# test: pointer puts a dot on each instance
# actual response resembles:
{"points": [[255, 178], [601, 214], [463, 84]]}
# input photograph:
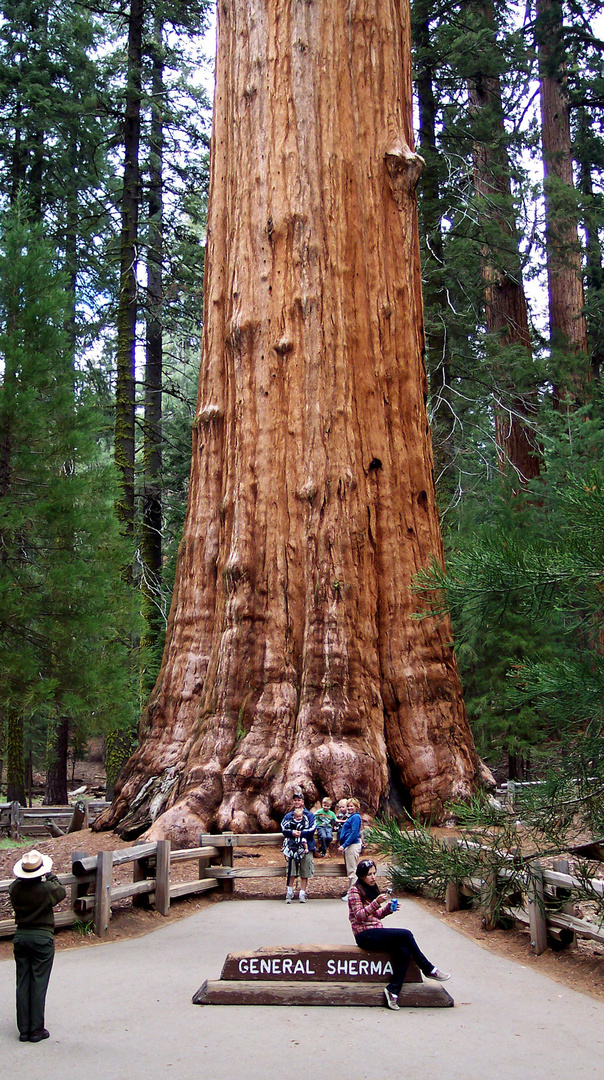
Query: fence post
{"points": [[162, 877], [227, 885], [102, 895], [140, 872], [452, 894], [14, 821], [536, 910], [562, 867], [490, 905], [79, 889], [203, 862], [511, 796]]}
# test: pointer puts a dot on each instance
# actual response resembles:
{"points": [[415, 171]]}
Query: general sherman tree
{"points": [[292, 654]]}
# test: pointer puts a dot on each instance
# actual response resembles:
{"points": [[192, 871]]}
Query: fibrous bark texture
{"points": [[292, 656], [568, 328], [506, 313]]}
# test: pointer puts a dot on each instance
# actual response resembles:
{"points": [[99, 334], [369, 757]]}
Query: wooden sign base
{"points": [[315, 975]]}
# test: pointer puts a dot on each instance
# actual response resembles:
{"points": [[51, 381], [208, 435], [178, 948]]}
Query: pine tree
{"points": [[62, 608]]}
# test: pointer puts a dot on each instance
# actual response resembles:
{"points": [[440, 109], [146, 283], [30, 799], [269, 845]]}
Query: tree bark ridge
{"points": [[292, 654]]}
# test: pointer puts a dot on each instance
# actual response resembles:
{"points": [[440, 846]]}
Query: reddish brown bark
{"points": [[506, 313], [568, 329], [292, 654]]}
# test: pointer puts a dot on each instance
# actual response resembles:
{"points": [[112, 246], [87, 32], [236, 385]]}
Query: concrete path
{"points": [[123, 1012]]}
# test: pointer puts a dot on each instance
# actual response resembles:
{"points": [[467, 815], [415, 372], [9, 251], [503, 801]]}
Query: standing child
{"points": [[33, 896], [326, 823], [341, 814]]}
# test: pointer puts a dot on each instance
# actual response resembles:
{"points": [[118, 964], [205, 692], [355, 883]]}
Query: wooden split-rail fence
{"points": [[22, 821], [93, 890], [545, 901], [546, 905]]}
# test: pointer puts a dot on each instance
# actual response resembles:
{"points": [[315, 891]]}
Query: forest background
{"points": [[104, 143]]}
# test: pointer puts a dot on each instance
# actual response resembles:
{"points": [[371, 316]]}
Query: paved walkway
{"points": [[123, 1012]]}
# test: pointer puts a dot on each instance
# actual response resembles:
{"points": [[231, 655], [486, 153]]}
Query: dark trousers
{"points": [[401, 946], [34, 953]]}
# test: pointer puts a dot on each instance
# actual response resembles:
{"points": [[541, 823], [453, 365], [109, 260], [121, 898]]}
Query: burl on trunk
{"points": [[293, 655]]}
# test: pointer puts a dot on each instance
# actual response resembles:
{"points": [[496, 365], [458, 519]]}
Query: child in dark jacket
{"points": [[33, 896]]}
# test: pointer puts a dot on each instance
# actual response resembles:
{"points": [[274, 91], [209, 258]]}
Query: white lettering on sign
{"points": [[286, 965], [359, 967]]}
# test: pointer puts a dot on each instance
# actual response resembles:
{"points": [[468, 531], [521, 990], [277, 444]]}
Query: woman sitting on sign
{"points": [[367, 906]]}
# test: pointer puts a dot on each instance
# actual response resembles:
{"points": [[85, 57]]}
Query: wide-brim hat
{"points": [[32, 865]]}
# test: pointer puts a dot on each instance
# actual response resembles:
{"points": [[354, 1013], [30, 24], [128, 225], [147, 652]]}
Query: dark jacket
{"points": [[288, 825], [33, 901]]}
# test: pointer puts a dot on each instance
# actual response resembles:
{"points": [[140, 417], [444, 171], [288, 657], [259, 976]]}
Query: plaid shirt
{"points": [[365, 914]]}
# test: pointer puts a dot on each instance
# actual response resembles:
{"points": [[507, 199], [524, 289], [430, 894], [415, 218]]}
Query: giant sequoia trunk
{"points": [[292, 654]]}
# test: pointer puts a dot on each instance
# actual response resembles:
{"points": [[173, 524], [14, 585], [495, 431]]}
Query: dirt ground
{"points": [[580, 968]]}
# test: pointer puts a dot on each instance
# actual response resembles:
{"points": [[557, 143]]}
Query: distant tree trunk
{"points": [[127, 306], [15, 762], [293, 655], [55, 793], [152, 456], [568, 329], [506, 313], [118, 743], [430, 209], [587, 149]]}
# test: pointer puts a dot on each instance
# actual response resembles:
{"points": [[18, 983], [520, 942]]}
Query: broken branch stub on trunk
{"points": [[292, 655]]}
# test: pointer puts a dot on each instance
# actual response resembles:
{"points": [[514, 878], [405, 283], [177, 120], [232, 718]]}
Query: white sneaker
{"points": [[302, 896], [440, 976], [289, 896], [391, 999]]}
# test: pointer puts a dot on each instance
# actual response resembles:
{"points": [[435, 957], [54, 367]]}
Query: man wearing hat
{"points": [[33, 896], [299, 826]]}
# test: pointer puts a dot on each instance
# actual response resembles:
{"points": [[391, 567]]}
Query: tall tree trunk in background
{"points": [[55, 792], [586, 146], [15, 762], [506, 312], [293, 656], [127, 308], [430, 210], [118, 743], [152, 505], [568, 330]]}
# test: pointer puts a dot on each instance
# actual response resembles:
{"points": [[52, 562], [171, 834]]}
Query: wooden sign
{"points": [[315, 975], [313, 963]]}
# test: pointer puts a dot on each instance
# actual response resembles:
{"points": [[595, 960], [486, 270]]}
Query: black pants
{"points": [[34, 953], [401, 946]]}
